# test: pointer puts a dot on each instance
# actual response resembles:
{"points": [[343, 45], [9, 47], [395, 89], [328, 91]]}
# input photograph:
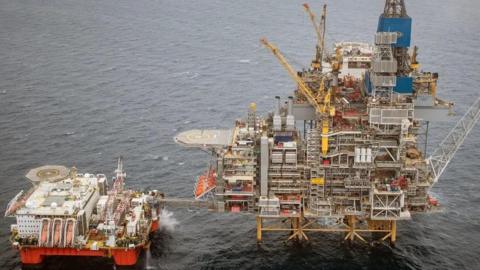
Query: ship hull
{"points": [[32, 255], [120, 256]]}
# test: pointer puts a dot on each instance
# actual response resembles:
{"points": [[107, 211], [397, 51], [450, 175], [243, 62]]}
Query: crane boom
{"points": [[413, 59], [320, 30], [444, 153], [313, 20], [304, 89], [321, 103]]}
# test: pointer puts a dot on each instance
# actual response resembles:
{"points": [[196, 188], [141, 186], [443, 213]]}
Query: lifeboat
{"points": [[57, 232], [44, 232], [69, 232], [18, 202], [205, 183]]}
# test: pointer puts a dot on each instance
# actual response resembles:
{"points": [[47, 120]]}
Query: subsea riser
{"points": [[120, 256]]}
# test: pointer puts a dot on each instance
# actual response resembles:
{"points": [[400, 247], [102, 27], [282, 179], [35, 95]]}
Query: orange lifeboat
{"points": [[69, 233], [44, 232], [205, 183], [57, 232]]}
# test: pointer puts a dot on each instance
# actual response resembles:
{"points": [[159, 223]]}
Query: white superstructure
{"points": [[61, 199], [357, 58], [66, 213]]}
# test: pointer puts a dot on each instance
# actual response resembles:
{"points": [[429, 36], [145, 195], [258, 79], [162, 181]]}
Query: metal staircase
{"points": [[313, 148]]}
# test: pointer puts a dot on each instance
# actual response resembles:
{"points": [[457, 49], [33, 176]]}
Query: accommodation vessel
{"points": [[67, 213]]}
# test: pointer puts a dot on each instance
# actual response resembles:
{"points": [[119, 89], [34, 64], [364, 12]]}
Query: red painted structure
{"points": [[121, 256]]}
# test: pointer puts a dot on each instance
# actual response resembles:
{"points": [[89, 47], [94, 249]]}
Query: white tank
{"points": [[357, 155], [369, 155], [363, 155]]}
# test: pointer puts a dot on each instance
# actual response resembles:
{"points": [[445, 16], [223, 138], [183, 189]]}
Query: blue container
{"points": [[402, 25], [368, 83], [404, 85], [281, 139]]}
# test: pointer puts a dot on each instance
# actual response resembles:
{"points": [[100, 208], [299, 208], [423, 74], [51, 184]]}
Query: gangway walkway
{"points": [[446, 150]]}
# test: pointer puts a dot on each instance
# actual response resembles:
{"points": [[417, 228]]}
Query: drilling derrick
{"points": [[356, 165], [395, 20], [391, 67]]}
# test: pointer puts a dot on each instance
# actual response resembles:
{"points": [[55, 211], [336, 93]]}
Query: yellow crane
{"points": [[320, 30], [413, 59], [321, 103], [337, 61], [302, 86]]}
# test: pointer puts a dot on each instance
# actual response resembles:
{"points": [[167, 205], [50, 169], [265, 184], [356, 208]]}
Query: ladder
{"points": [[440, 158], [313, 148]]}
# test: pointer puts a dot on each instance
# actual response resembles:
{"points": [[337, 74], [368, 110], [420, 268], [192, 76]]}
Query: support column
{"points": [[299, 229], [264, 164], [393, 228], [352, 221], [304, 129], [351, 224], [293, 226], [259, 229], [352, 227]]}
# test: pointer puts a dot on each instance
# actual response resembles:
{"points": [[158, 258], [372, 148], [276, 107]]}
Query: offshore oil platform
{"points": [[347, 151]]}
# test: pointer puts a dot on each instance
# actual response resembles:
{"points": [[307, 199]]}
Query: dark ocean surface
{"points": [[82, 82]]}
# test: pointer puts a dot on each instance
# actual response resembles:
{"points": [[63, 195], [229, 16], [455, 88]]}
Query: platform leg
{"points": [[259, 229], [298, 229], [393, 228], [301, 234], [351, 225]]}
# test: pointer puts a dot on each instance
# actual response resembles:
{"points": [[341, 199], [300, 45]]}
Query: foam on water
{"points": [[167, 221], [244, 61], [148, 260]]}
